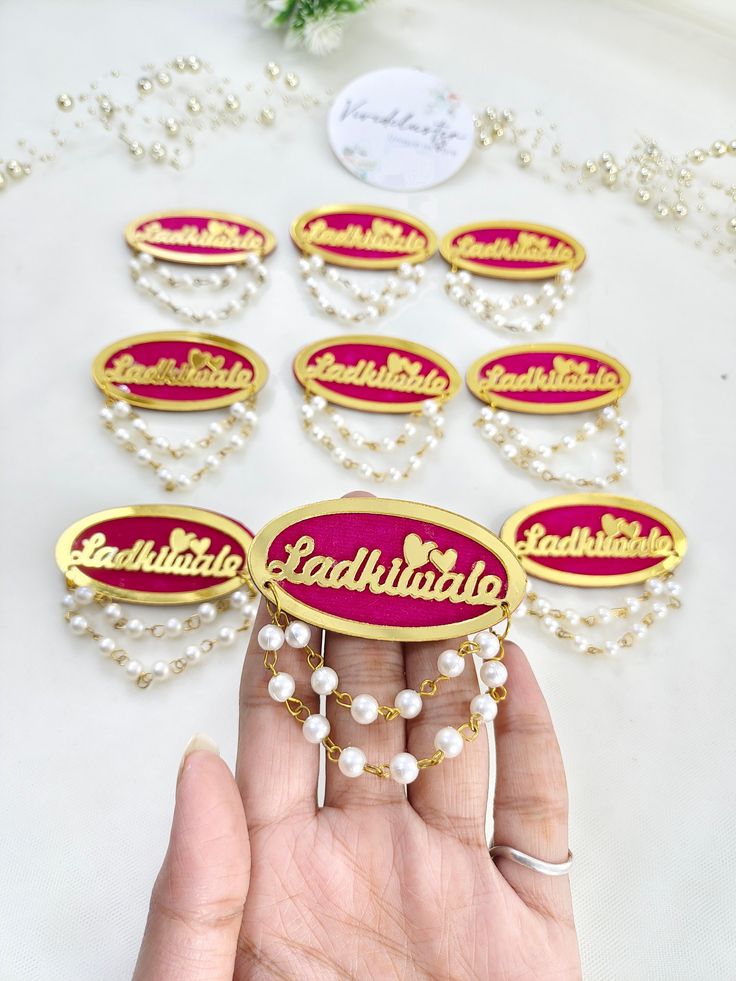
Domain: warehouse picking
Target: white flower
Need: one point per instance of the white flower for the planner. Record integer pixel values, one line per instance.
(321, 35)
(266, 11)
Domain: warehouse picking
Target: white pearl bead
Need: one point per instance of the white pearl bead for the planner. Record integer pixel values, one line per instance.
(121, 410)
(673, 588)
(639, 629)
(270, 637)
(365, 470)
(572, 617)
(450, 664)
(543, 605)
(484, 706)
(549, 623)
(69, 603)
(603, 614)
(364, 709)
(192, 653)
(83, 595)
(161, 443)
(633, 604)
(143, 456)
(493, 674)
(403, 768)
(409, 703)
(568, 442)
(183, 482)
(489, 644)
(207, 612)
(113, 611)
(659, 610)
(161, 671)
(106, 645)
(236, 441)
(449, 741)
(215, 429)
(135, 628)
(297, 634)
(655, 586)
(281, 686)
(134, 669)
(609, 413)
(212, 461)
(580, 643)
(78, 625)
(316, 728)
(226, 636)
(611, 647)
(164, 475)
(173, 627)
(324, 680)
(351, 761)
(239, 600)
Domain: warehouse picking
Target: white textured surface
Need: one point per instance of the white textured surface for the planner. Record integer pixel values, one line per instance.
(87, 763)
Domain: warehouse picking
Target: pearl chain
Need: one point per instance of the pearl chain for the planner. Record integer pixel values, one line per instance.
(214, 280)
(125, 425)
(661, 594)
(83, 597)
(495, 426)
(403, 768)
(375, 303)
(428, 416)
(494, 309)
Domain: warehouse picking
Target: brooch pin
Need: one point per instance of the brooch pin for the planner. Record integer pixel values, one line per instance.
(161, 556)
(511, 250)
(376, 375)
(551, 379)
(179, 372)
(597, 540)
(202, 239)
(361, 237)
(385, 570)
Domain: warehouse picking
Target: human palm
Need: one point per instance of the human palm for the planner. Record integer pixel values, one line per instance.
(381, 881)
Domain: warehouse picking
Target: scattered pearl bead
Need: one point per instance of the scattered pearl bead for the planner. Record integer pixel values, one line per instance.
(106, 645)
(192, 653)
(270, 637)
(207, 612)
(78, 625)
(161, 671)
(135, 628)
(226, 636)
(134, 669)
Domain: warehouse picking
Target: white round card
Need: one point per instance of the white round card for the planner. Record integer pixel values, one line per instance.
(401, 129)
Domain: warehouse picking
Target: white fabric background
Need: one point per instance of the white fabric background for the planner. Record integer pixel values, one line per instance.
(87, 762)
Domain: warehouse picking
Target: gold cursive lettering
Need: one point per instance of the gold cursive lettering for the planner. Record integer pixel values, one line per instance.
(216, 235)
(399, 374)
(185, 555)
(382, 236)
(616, 539)
(200, 370)
(528, 247)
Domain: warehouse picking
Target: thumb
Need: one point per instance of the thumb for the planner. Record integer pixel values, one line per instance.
(197, 901)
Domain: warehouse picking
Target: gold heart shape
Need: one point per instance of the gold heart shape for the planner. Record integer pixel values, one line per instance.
(444, 561)
(179, 540)
(629, 528)
(567, 366)
(416, 552)
(609, 524)
(396, 363)
(200, 545)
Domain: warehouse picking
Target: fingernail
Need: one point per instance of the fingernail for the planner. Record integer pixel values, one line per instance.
(200, 742)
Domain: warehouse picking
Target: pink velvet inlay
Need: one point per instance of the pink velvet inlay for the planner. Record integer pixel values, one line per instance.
(341, 535)
(150, 352)
(562, 520)
(524, 360)
(124, 532)
(175, 222)
(342, 219)
(486, 235)
(352, 352)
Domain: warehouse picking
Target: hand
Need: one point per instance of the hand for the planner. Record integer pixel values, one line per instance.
(259, 881)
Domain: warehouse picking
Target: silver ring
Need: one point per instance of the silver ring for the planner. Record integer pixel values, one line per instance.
(529, 862)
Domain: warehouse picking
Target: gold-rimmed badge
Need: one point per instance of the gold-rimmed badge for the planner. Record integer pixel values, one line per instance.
(511, 250)
(386, 569)
(204, 238)
(548, 379)
(363, 236)
(595, 540)
(179, 371)
(375, 374)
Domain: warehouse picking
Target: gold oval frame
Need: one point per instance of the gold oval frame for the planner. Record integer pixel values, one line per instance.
(500, 401)
(504, 273)
(159, 252)
(533, 568)
(347, 401)
(260, 371)
(297, 230)
(258, 556)
(214, 520)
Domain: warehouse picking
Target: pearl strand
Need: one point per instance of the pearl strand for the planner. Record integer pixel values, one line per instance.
(115, 414)
(403, 768)
(495, 426)
(661, 594)
(160, 670)
(252, 265)
(494, 309)
(429, 416)
(375, 303)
